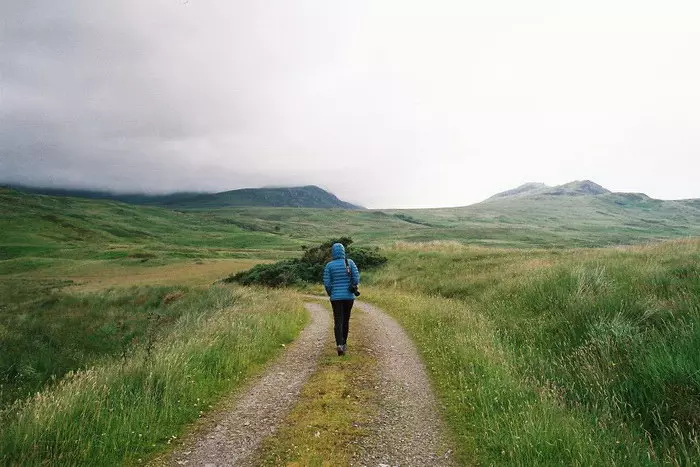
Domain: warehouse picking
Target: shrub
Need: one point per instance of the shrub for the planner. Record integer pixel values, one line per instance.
(308, 268)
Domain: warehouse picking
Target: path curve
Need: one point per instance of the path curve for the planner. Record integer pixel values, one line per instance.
(408, 430)
(264, 404)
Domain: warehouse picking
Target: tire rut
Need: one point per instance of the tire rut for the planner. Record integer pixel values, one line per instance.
(258, 409)
(408, 430)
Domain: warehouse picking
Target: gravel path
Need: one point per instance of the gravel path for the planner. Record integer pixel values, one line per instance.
(257, 412)
(408, 430)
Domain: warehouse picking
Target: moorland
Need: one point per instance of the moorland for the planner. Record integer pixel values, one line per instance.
(558, 325)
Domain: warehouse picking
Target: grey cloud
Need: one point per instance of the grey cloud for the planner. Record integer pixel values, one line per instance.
(83, 105)
(132, 97)
(386, 103)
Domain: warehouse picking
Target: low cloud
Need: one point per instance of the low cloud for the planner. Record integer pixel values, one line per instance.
(384, 103)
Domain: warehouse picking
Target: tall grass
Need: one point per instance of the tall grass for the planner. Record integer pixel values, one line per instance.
(47, 330)
(585, 357)
(120, 411)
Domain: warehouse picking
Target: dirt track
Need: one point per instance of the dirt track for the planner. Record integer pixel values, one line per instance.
(234, 436)
(406, 432)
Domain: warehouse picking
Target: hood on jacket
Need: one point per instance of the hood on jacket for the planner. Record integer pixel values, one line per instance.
(338, 251)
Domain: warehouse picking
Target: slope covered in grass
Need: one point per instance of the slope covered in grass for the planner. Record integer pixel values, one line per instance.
(299, 197)
(122, 409)
(584, 357)
(45, 333)
(45, 226)
(540, 355)
(303, 196)
(563, 221)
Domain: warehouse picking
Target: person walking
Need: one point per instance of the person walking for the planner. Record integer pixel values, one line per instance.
(341, 278)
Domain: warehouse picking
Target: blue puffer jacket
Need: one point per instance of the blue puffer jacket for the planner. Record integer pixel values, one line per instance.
(335, 277)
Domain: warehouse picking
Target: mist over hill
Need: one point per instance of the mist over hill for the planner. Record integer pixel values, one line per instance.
(575, 188)
(523, 190)
(309, 196)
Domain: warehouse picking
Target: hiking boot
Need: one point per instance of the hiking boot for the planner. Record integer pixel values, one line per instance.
(345, 348)
(341, 350)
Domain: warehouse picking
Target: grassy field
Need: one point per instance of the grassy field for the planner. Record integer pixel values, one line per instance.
(563, 221)
(120, 410)
(580, 357)
(37, 226)
(541, 351)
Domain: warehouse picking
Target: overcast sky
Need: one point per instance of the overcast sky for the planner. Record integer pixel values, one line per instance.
(385, 103)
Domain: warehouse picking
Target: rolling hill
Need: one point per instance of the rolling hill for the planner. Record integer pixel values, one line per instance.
(580, 213)
(305, 196)
(523, 190)
(297, 197)
(552, 217)
(43, 226)
(60, 256)
(575, 188)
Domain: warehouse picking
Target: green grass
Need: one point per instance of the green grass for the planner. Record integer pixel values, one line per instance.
(311, 196)
(46, 331)
(552, 222)
(38, 226)
(540, 352)
(583, 357)
(561, 221)
(121, 411)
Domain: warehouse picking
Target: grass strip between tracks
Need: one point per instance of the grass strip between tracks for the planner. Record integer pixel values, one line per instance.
(334, 409)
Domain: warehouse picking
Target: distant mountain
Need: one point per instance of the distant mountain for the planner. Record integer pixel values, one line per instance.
(38, 225)
(131, 198)
(309, 196)
(522, 190)
(580, 213)
(575, 188)
(306, 196)
(578, 188)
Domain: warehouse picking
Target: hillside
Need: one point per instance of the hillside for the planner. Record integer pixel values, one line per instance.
(580, 213)
(66, 227)
(306, 196)
(61, 227)
(575, 188)
(297, 197)
(523, 190)
(575, 357)
(505, 333)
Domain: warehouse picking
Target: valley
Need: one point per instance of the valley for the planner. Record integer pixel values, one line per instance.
(556, 324)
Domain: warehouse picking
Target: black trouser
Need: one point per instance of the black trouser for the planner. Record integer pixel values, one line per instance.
(341, 317)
